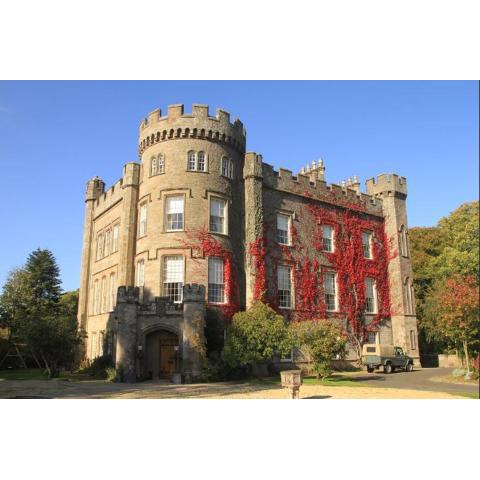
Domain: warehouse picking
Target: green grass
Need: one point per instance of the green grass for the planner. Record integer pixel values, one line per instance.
(39, 374)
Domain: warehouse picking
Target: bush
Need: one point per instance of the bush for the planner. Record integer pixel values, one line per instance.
(99, 367)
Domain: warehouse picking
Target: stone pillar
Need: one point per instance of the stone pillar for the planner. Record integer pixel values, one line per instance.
(193, 341)
(126, 350)
(253, 177)
(95, 188)
(392, 190)
(128, 225)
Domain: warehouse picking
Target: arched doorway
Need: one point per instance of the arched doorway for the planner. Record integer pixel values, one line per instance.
(162, 354)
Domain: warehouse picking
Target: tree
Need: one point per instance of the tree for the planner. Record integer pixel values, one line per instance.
(256, 336)
(453, 311)
(319, 342)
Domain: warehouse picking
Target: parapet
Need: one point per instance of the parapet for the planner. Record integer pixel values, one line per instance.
(128, 294)
(193, 292)
(199, 124)
(95, 188)
(344, 196)
(387, 184)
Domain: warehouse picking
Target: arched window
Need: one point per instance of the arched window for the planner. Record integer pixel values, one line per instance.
(201, 165)
(153, 166)
(402, 233)
(161, 164)
(191, 160)
(409, 297)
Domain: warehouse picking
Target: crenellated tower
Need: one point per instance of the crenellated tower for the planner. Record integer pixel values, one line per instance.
(392, 190)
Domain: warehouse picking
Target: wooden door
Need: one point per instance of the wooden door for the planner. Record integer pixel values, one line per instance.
(167, 360)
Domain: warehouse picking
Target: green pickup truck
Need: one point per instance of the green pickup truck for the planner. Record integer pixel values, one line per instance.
(389, 357)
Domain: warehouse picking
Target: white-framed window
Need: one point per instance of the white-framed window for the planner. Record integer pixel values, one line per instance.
(173, 277)
(174, 207)
(283, 228)
(217, 215)
(330, 289)
(113, 290)
(327, 238)
(227, 167)
(153, 166)
(142, 229)
(372, 337)
(104, 295)
(100, 246)
(161, 164)
(287, 358)
(116, 231)
(141, 273)
(413, 340)
(370, 296)
(101, 342)
(191, 161)
(284, 279)
(216, 282)
(367, 244)
(201, 162)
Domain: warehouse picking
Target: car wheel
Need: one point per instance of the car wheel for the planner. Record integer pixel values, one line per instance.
(370, 369)
(409, 367)
(387, 368)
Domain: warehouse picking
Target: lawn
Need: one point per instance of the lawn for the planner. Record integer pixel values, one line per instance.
(39, 374)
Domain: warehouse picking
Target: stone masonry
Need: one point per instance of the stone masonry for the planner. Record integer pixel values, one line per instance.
(135, 309)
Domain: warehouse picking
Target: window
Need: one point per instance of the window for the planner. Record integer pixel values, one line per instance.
(143, 220)
(284, 278)
(287, 358)
(409, 299)
(370, 296)
(413, 340)
(116, 229)
(201, 165)
(100, 246)
(217, 215)
(153, 166)
(216, 285)
(191, 161)
(95, 297)
(227, 167)
(327, 238)
(173, 268)
(108, 241)
(113, 291)
(101, 341)
(161, 164)
(140, 273)
(367, 244)
(283, 229)
(174, 213)
(330, 288)
(372, 337)
(403, 241)
(104, 295)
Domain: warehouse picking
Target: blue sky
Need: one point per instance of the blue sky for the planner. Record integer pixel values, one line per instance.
(54, 136)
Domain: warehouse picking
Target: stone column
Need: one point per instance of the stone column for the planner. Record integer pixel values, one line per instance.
(95, 188)
(126, 351)
(128, 225)
(193, 340)
(392, 190)
(253, 177)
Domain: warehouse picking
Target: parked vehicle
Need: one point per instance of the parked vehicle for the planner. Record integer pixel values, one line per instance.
(388, 357)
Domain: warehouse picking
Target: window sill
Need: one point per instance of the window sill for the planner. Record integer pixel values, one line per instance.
(219, 233)
(156, 174)
(197, 171)
(174, 231)
(286, 308)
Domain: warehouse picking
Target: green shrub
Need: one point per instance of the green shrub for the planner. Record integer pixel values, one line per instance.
(98, 367)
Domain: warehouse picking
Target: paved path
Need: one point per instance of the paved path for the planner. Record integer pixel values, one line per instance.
(416, 380)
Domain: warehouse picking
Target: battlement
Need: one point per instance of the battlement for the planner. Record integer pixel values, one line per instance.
(302, 184)
(128, 294)
(199, 124)
(387, 184)
(193, 292)
(95, 188)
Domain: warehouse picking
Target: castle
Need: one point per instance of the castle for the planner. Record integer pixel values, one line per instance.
(200, 229)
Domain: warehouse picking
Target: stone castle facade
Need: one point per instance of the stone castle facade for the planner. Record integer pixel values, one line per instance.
(200, 229)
